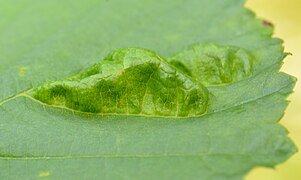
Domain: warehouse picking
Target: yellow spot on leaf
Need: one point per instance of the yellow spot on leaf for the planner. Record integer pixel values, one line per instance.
(22, 71)
(44, 174)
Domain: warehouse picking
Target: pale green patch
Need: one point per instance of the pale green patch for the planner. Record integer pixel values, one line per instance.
(44, 174)
(213, 64)
(22, 71)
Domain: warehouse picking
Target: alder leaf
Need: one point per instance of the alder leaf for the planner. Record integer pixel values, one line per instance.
(230, 126)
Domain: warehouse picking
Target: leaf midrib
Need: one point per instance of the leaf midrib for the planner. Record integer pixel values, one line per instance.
(119, 156)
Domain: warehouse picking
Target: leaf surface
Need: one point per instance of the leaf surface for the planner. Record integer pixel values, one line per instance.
(54, 40)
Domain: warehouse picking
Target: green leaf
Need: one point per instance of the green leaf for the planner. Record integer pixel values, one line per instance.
(54, 40)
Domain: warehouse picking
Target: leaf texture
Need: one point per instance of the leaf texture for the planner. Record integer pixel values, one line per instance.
(54, 40)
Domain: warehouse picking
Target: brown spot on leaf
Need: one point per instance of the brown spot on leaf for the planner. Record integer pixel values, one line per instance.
(267, 23)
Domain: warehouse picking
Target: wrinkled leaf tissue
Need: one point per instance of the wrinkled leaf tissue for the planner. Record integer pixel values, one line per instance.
(139, 81)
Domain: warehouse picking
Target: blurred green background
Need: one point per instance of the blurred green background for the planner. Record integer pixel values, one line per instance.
(286, 17)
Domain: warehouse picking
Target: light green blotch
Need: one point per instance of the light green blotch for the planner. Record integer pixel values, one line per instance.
(44, 174)
(22, 71)
(213, 64)
(129, 81)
